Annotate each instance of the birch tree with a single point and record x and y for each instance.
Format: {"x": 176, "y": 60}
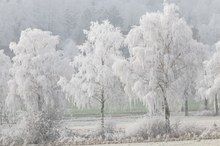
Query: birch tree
{"x": 94, "y": 84}
{"x": 158, "y": 48}
{"x": 35, "y": 72}
{"x": 193, "y": 71}
{"x": 37, "y": 67}
{"x": 213, "y": 73}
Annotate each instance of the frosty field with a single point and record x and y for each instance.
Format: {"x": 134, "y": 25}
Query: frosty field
{"x": 215, "y": 142}
{"x": 123, "y": 121}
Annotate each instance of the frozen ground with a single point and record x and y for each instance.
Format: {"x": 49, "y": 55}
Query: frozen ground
{"x": 174, "y": 143}
{"x": 82, "y": 126}
{"x": 125, "y": 120}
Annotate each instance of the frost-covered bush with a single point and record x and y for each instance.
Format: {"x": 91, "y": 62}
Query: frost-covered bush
{"x": 188, "y": 131}
{"x": 110, "y": 126}
{"x": 66, "y": 136}
{"x": 213, "y": 132}
{"x": 109, "y": 129}
{"x": 14, "y": 134}
{"x": 10, "y": 136}
{"x": 36, "y": 128}
{"x": 150, "y": 128}
{"x": 147, "y": 128}
{"x": 39, "y": 128}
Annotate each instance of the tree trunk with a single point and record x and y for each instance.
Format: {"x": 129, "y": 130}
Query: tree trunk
{"x": 102, "y": 116}
{"x": 40, "y": 103}
{"x": 163, "y": 106}
{"x": 167, "y": 114}
{"x": 186, "y": 107}
{"x": 216, "y": 104}
{"x": 1, "y": 115}
{"x": 182, "y": 108}
{"x": 206, "y": 104}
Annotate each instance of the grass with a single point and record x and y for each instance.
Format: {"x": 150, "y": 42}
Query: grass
{"x": 128, "y": 109}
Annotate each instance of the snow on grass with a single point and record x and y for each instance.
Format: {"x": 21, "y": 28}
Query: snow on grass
{"x": 214, "y": 142}
{"x": 126, "y": 120}
{"x": 83, "y": 130}
{"x": 184, "y": 128}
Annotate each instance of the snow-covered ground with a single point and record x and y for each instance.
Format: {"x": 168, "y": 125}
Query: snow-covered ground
{"x": 215, "y": 142}
{"x": 85, "y": 124}
{"x": 84, "y": 127}
{"x": 126, "y": 120}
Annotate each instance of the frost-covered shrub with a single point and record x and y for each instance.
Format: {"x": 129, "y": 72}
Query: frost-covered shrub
{"x": 36, "y": 128}
{"x": 109, "y": 129}
{"x": 6, "y": 141}
{"x": 39, "y": 129}
{"x": 156, "y": 128}
{"x": 213, "y": 132}
{"x": 66, "y": 136}
{"x": 185, "y": 130}
{"x": 110, "y": 126}
{"x": 189, "y": 130}
{"x": 147, "y": 128}
{"x": 11, "y": 136}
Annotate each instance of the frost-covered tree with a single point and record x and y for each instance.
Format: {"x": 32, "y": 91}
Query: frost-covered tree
{"x": 213, "y": 74}
{"x": 5, "y": 65}
{"x": 203, "y": 80}
{"x": 37, "y": 67}
{"x": 158, "y": 48}
{"x": 94, "y": 84}
{"x": 204, "y": 84}
{"x": 193, "y": 71}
